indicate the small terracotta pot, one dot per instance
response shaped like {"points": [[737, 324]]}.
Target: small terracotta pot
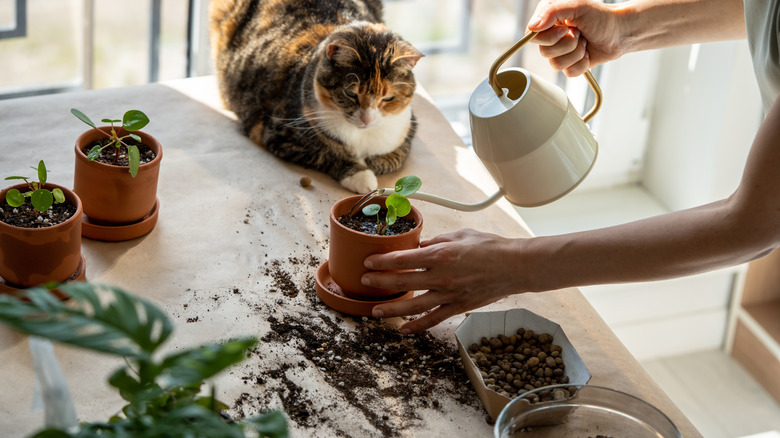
{"points": [[111, 196], [36, 256], [349, 248]]}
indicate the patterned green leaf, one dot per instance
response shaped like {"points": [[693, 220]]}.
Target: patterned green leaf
{"points": [[195, 365], [97, 317]]}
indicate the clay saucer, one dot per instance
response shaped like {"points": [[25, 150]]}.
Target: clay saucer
{"points": [[331, 294], [79, 275], [118, 233]]}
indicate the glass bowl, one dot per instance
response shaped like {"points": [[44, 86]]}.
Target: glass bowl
{"points": [[592, 411]]}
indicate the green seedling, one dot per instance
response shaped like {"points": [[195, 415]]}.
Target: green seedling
{"points": [[133, 120], [41, 198], [397, 204]]}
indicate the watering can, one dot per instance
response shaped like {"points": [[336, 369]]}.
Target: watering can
{"points": [[528, 135]]}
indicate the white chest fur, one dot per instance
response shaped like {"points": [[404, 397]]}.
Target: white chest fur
{"points": [[381, 137]]}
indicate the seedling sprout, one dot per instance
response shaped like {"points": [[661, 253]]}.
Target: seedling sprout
{"points": [[40, 197], [133, 120], [397, 204]]}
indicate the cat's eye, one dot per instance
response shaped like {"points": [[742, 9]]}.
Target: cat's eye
{"points": [[351, 94], [388, 98]]}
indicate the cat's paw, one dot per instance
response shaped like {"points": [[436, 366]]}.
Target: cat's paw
{"points": [[361, 182]]}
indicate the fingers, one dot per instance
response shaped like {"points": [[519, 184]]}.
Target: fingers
{"points": [[569, 55], [403, 259], [414, 280], [413, 306], [417, 305], [425, 322], [566, 50]]}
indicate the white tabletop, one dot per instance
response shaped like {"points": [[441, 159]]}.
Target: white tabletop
{"points": [[234, 253]]}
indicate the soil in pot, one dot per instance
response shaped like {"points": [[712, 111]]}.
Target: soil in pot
{"points": [[110, 156], [367, 224], [25, 216], [41, 252]]}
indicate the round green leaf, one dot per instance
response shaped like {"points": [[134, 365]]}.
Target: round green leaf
{"points": [[407, 185], [134, 120], [42, 199], [134, 157], [391, 215], [94, 153], [59, 197], [135, 137], [400, 204], [14, 198], [83, 117], [371, 209]]}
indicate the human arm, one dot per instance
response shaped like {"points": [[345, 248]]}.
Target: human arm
{"points": [[465, 270], [579, 34]]}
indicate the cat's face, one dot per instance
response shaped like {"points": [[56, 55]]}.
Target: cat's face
{"points": [[366, 74]]}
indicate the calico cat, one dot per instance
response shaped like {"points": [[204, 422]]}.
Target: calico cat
{"points": [[320, 83]]}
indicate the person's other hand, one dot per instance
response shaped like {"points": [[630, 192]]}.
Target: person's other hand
{"points": [[575, 35], [461, 271]]}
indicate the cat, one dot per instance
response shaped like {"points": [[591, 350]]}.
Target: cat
{"points": [[322, 84]]}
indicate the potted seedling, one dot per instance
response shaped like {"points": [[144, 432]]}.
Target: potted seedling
{"points": [[359, 227], [40, 233], [116, 174], [162, 391]]}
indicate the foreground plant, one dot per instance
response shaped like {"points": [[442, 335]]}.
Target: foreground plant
{"points": [[133, 120], [397, 205], [41, 198], [163, 394]]}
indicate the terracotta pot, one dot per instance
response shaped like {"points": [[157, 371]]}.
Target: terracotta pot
{"points": [[348, 249], [36, 256], [111, 196]]}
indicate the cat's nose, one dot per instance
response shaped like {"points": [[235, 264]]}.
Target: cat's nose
{"points": [[367, 117]]}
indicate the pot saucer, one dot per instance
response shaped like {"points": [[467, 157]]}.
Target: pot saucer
{"points": [[79, 275], [331, 294], [118, 233]]}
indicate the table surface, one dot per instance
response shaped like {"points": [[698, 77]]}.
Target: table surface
{"points": [[235, 232]]}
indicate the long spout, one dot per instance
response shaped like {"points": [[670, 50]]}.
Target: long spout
{"points": [[427, 197]]}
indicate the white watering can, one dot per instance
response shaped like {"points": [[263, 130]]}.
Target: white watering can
{"points": [[528, 135]]}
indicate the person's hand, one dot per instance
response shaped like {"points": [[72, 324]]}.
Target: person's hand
{"points": [[461, 271], [575, 35]]}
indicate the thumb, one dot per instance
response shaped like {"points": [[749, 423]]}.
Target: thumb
{"points": [[548, 13]]}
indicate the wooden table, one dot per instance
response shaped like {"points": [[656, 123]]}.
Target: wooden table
{"points": [[234, 228]]}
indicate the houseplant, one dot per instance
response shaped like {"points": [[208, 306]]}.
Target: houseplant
{"points": [[116, 174], [338, 279], [163, 392], [40, 233]]}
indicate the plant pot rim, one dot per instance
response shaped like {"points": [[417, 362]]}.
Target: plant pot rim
{"points": [[70, 196], [414, 213], [155, 144]]}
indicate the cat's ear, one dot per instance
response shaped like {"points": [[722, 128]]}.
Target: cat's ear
{"points": [[342, 53], [406, 55]]}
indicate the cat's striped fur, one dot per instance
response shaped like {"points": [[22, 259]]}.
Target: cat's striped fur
{"points": [[323, 84]]}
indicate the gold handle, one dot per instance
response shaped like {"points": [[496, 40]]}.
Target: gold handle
{"points": [[493, 75]]}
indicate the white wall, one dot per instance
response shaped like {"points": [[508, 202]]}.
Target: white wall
{"points": [[706, 113]]}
